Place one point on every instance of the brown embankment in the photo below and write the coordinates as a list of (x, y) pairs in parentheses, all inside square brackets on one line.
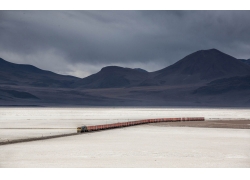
[(105, 127), (35, 139), (134, 123)]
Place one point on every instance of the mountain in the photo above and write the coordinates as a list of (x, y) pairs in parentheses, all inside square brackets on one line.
[(28, 75), (203, 78), (113, 77), (236, 84), (16, 94), (201, 66), (245, 61), (197, 68), (141, 70)]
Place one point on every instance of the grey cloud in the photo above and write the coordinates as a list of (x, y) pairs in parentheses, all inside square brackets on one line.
[(84, 41)]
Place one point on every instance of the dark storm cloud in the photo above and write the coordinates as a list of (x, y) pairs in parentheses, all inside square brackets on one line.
[(82, 42)]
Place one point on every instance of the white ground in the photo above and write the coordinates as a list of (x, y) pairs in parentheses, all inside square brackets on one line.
[(141, 146), (72, 117), (138, 146)]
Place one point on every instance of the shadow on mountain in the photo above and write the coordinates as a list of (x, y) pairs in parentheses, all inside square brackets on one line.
[(17, 94), (245, 61), (220, 86)]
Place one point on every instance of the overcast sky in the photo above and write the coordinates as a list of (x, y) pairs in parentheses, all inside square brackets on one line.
[(80, 43)]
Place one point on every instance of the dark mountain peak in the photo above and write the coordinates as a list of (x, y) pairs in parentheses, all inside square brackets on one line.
[(141, 70), (200, 66), (245, 61), (206, 59), (113, 68), (113, 77), (210, 54), (119, 70), (213, 50)]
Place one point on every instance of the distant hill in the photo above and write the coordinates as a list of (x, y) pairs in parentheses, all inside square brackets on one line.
[(201, 66), (113, 77), (28, 75)]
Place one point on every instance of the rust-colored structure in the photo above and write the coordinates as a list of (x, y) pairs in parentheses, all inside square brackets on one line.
[(133, 123)]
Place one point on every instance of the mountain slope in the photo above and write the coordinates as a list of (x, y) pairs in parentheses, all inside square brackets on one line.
[(20, 74), (236, 84), (245, 61), (16, 94), (201, 66), (141, 70), (113, 77)]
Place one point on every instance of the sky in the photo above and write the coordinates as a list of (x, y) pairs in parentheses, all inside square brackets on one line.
[(80, 43)]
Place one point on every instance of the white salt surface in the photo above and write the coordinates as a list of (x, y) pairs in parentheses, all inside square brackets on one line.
[(73, 117), (137, 146)]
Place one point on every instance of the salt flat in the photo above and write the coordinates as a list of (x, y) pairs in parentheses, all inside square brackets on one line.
[(72, 117), (65, 120), (137, 146)]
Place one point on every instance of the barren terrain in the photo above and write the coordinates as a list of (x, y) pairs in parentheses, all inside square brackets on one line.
[(139, 146), (222, 140)]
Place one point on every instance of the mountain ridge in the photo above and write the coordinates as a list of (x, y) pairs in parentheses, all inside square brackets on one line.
[(218, 80), (24, 74), (112, 77), (199, 67), (203, 65)]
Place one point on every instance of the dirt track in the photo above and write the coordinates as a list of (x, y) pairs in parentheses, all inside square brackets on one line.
[(234, 124), (35, 139)]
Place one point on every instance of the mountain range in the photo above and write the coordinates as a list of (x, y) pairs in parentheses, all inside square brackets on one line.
[(203, 78)]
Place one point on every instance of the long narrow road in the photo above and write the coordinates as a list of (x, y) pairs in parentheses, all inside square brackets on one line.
[(86, 129)]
